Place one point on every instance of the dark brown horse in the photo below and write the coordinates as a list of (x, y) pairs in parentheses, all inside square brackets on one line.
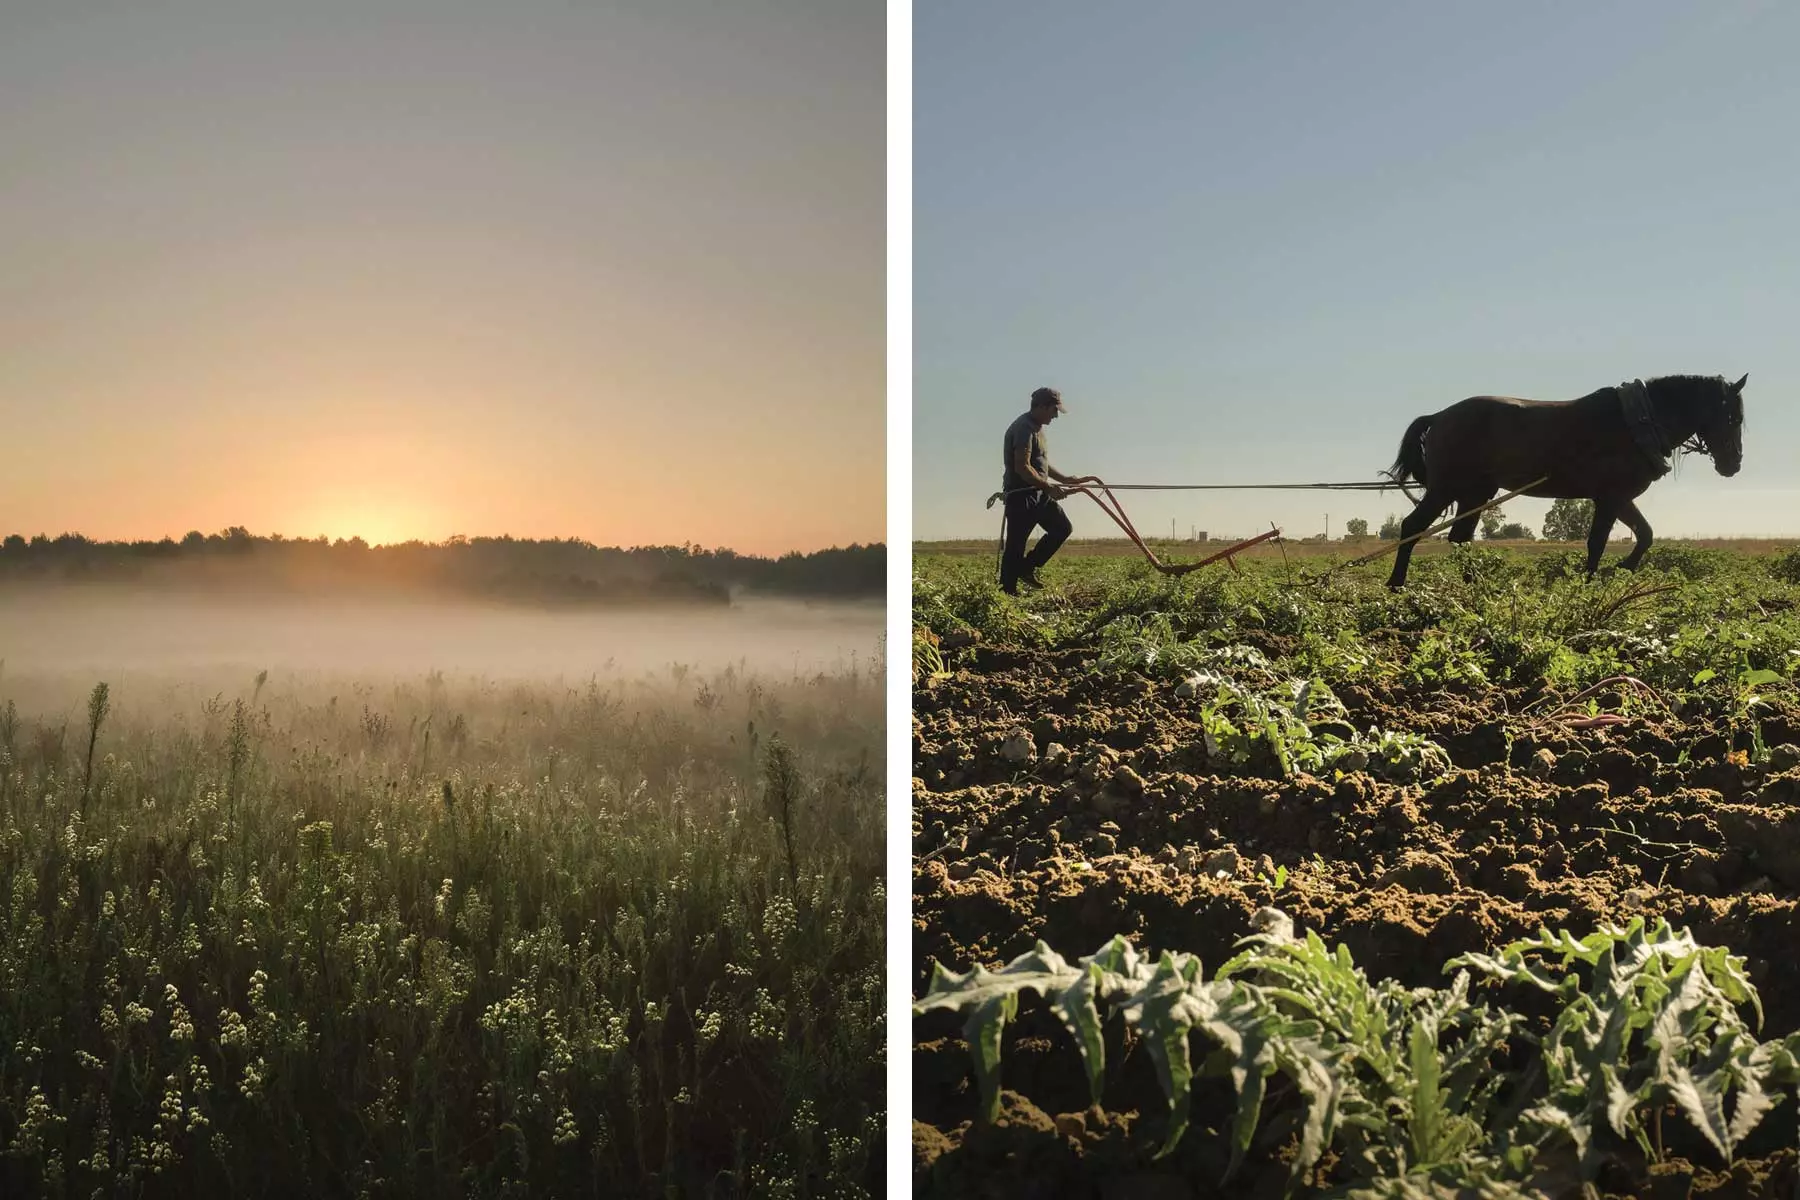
[(1607, 447)]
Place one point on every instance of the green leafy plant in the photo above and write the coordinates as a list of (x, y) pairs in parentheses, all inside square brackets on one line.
[(1416, 1087), (929, 663), (1748, 689), (1301, 725)]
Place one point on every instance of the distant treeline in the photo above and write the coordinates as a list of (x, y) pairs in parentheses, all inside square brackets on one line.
[(553, 571)]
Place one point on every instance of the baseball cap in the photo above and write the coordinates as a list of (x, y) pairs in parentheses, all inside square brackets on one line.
[(1046, 395)]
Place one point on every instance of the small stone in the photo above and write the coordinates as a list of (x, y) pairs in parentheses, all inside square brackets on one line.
[(1055, 753), (1128, 781), (1784, 757), (1265, 866), (1018, 748), (1542, 763), (1222, 863), (1109, 803), (1352, 761)]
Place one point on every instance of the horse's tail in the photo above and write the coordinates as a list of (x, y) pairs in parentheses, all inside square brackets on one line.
[(1410, 462)]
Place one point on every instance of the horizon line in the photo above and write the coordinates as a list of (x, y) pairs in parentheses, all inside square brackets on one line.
[(229, 531)]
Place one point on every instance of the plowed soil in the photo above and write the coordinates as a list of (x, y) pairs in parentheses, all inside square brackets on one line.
[(1107, 817)]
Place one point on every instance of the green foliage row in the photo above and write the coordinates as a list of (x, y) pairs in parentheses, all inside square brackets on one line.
[(1712, 629), (1424, 1090), (1249, 711)]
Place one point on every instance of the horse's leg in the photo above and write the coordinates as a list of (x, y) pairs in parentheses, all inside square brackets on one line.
[(1418, 521), (1640, 529), (1464, 529), (1605, 513)]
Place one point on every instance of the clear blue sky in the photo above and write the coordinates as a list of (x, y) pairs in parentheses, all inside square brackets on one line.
[(1251, 242)]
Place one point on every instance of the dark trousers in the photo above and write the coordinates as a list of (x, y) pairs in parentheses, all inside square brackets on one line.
[(1026, 511)]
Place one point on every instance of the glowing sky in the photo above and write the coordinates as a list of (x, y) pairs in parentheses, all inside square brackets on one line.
[(611, 271), (1251, 242)]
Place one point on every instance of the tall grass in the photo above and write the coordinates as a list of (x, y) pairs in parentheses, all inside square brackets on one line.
[(290, 942)]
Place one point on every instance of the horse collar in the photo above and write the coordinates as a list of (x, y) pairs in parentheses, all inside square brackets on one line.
[(1646, 431)]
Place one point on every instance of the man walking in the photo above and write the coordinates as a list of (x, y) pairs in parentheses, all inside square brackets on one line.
[(1031, 494)]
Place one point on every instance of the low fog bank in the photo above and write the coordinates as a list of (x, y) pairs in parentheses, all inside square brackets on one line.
[(107, 632)]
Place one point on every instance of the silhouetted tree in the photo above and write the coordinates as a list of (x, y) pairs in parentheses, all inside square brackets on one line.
[(560, 570), (1569, 520)]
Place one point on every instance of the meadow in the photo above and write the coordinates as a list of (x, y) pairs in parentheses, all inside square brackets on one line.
[(303, 935), (1275, 882)]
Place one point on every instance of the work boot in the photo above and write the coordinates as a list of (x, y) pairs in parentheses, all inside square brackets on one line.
[(1031, 580)]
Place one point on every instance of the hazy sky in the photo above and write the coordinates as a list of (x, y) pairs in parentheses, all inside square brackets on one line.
[(1251, 242), (607, 270)]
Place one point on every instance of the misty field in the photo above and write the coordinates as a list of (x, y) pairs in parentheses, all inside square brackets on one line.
[(443, 936)]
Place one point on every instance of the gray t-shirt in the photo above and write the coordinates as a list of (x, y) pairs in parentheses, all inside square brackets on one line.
[(1024, 431)]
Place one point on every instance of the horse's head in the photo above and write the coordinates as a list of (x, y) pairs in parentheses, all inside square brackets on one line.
[(1719, 426)]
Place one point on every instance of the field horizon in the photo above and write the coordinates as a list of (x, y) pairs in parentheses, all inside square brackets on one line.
[(1317, 547)]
